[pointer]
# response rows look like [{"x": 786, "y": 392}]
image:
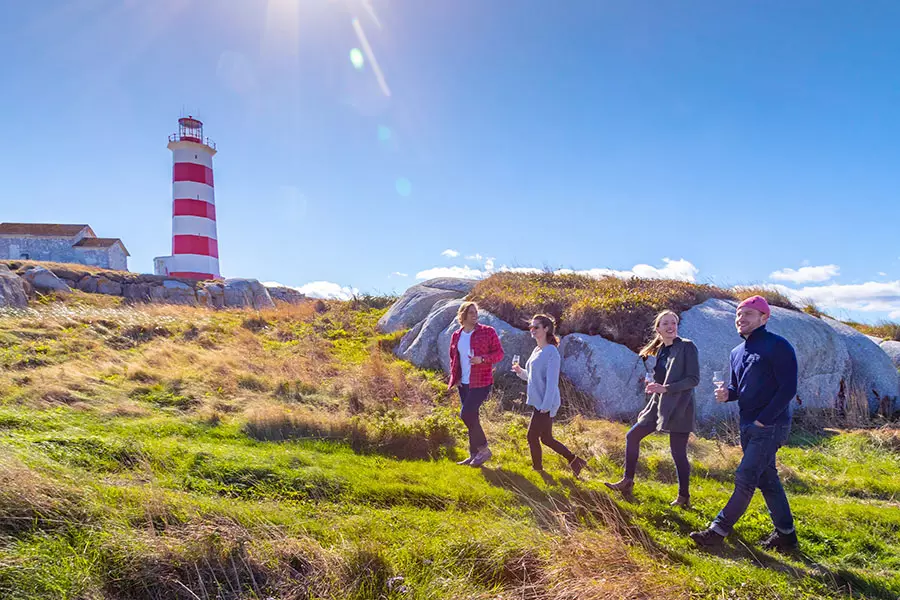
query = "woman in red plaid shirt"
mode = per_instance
[{"x": 474, "y": 350}]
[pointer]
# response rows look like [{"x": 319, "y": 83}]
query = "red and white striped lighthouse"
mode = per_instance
[{"x": 195, "y": 250}]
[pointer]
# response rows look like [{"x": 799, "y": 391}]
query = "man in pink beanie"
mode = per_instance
[{"x": 763, "y": 381}]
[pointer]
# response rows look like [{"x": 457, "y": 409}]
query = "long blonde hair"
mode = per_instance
[{"x": 653, "y": 347}]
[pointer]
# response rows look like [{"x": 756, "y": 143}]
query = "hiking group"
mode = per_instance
[{"x": 762, "y": 380}]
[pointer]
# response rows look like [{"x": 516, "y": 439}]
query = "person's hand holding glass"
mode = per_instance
[
  {"x": 719, "y": 382},
  {"x": 515, "y": 364}
]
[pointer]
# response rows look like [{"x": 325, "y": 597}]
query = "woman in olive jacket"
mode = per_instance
[{"x": 671, "y": 405}]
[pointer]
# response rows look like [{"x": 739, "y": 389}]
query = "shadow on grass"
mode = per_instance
[{"x": 580, "y": 507}]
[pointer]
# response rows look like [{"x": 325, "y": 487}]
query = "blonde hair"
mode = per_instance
[
  {"x": 653, "y": 347},
  {"x": 550, "y": 324},
  {"x": 463, "y": 309}
]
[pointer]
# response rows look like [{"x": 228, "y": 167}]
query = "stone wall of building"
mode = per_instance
[
  {"x": 28, "y": 248},
  {"x": 61, "y": 250}
]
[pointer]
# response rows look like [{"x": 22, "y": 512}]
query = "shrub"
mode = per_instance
[
  {"x": 294, "y": 390},
  {"x": 621, "y": 310},
  {"x": 251, "y": 382},
  {"x": 389, "y": 433},
  {"x": 812, "y": 309},
  {"x": 166, "y": 396},
  {"x": 886, "y": 330}
]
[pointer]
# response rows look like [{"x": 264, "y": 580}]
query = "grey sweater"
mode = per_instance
[{"x": 542, "y": 374}]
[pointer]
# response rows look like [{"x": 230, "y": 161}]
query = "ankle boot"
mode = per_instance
[
  {"x": 624, "y": 486},
  {"x": 681, "y": 502},
  {"x": 577, "y": 464}
]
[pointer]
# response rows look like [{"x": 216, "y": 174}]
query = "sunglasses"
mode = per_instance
[{"x": 533, "y": 327}]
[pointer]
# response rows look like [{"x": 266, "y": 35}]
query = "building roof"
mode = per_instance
[
  {"x": 42, "y": 229},
  {"x": 95, "y": 242}
]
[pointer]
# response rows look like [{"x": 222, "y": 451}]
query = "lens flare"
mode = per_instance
[
  {"x": 404, "y": 186},
  {"x": 357, "y": 59}
]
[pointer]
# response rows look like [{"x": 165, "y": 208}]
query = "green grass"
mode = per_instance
[{"x": 255, "y": 456}]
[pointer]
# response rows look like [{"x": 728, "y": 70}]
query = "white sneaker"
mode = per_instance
[{"x": 482, "y": 457}]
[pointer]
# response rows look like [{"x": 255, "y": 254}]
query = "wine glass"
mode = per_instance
[
  {"x": 515, "y": 360},
  {"x": 718, "y": 379}
]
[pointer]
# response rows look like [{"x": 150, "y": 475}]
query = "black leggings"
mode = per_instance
[
  {"x": 677, "y": 444},
  {"x": 541, "y": 430}
]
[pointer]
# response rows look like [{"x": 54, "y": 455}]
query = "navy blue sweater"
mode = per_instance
[{"x": 763, "y": 378}]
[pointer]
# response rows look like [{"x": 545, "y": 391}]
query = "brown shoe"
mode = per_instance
[
  {"x": 577, "y": 464},
  {"x": 681, "y": 502},
  {"x": 624, "y": 486}
]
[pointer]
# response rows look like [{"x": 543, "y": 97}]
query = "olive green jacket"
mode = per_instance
[{"x": 674, "y": 410}]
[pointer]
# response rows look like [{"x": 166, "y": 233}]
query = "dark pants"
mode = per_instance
[
  {"x": 757, "y": 470},
  {"x": 471, "y": 400},
  {"x": 540, "y": 430},
  {"x": 677, "y": 444}
]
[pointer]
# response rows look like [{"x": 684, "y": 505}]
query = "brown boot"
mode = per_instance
[
  {"x": 577, "y": 464},
  {"x": 624, "y": 486}
]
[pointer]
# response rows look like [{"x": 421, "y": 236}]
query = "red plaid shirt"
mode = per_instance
[{"x": 486, "y": 344}]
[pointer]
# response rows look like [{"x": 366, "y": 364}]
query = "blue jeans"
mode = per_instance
[
  {"x": 471, "y": 400},
  {"x": 757, "y": 470}
]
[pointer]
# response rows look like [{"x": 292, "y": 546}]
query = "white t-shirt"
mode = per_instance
[{"x": 465, "y": 361}]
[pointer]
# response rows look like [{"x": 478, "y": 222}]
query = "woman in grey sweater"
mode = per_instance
[
  {"x": 542, "y": 374},
  {"x": 671, "y": 405}
]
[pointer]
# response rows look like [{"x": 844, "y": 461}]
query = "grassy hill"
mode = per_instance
[{"x": 170, "y": 452}]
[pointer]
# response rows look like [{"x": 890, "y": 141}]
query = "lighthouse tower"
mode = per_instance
[{"x": 195, "y": 251}]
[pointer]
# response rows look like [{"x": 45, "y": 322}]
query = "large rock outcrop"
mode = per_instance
[
  {"x": 822, "y": 357},
  {"x": 420, "y": 344},
  {"x": 177, "y": 292},
  {"x": 892, "y": 349},
  {"x": 247, "y": 293},
  {"x": 12, "y": 289},
  {"x": 45, "y": 281},
  {"x": 211, "y": 295},
  {"x": 417, "y": 301},
  {"x": 514, "y": 341},
  {"x": 611, "y": 373},
  {"x": 872, "y": 371},
  {"x": 285, "y": 294},
  {"x": 136, "y": 287}
]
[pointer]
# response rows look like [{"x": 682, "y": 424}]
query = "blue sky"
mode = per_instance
[{"x": 359, "y": 140}]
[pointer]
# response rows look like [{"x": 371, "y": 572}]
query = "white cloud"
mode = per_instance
[
  {"x": 894, "y": 314},
  {"x": 871, "y": 296},
  {"x": 320, "y": 289},
  {"x": 475, "y": 256},
  {"x": 807, "y": 274},
  {"x": 450, "y": 253},
  {"x": 462, "y": 272},
  {"x": 399, "y": 274},
  {"x": 882, "y": 273},
  {"x": 680, "y": 269}
]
